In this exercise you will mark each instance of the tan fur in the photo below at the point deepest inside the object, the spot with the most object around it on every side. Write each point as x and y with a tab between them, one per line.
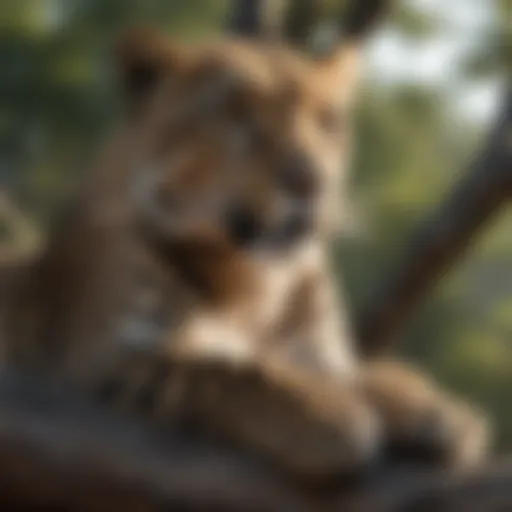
144	299
420	416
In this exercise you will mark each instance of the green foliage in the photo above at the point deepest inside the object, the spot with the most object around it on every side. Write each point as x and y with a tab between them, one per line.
55	92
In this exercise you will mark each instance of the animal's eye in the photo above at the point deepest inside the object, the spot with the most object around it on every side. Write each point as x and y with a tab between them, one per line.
330	120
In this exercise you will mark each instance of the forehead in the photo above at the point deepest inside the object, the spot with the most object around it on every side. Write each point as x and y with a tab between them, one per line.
264	68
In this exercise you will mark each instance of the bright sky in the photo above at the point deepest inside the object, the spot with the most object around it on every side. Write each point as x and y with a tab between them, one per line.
434	60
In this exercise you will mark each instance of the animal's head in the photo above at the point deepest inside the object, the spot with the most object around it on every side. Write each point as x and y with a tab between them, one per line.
243	140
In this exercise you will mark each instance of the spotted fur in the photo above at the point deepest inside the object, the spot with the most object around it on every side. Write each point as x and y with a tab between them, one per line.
190	281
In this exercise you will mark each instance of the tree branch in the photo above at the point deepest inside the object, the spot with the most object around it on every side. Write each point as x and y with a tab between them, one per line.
486	490
301	19
255	18
58	452
356	20
473	204
61	454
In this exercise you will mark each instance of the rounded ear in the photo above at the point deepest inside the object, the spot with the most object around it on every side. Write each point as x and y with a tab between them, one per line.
341	50
144	57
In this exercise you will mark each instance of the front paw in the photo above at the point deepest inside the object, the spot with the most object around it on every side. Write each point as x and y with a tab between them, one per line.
469	434
422	424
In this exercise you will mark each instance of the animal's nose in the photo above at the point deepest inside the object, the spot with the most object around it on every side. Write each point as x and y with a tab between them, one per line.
242	225
298	176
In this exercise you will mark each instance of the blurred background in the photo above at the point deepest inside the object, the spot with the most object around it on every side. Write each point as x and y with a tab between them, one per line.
431	93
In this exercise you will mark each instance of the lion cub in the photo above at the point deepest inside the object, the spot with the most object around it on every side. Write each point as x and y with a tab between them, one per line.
190	282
